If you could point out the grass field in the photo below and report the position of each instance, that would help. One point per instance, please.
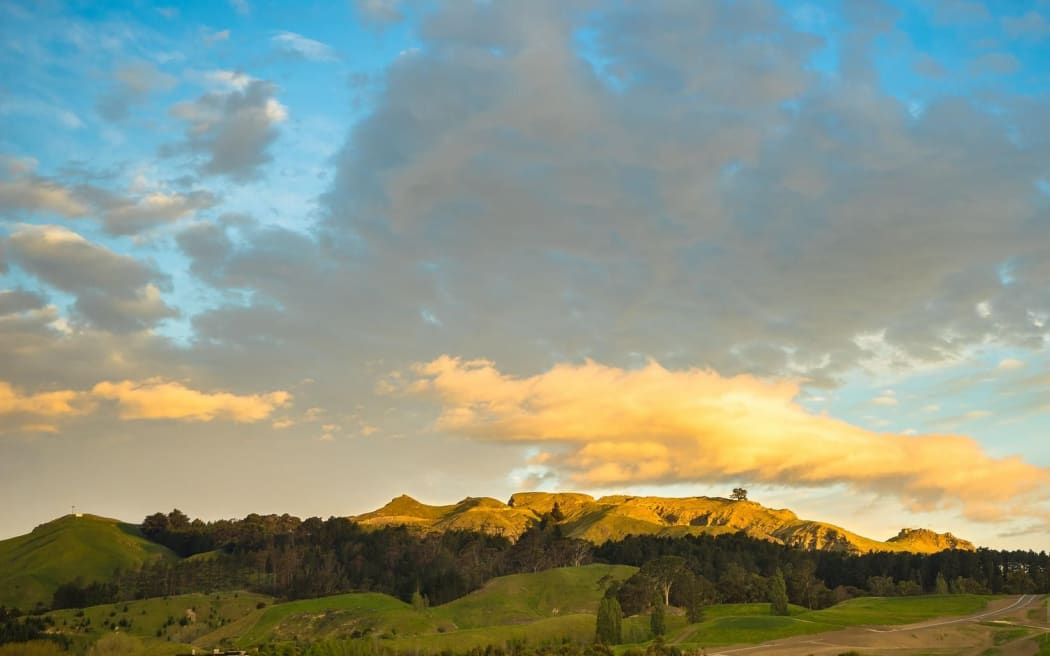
(897, 610)
(32, 566)
(546, 607)
(521, 598)
(146, 618)
(555, 603)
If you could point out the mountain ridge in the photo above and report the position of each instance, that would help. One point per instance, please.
(612, 517)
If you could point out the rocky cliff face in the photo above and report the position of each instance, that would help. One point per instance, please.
(613, 517)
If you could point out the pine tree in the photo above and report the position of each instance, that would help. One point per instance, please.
(610, 616)
(657, 619)
(778, 597)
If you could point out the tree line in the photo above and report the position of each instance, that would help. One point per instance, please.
(291, 558)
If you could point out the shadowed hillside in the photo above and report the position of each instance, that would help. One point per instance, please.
(32, 566)
(613, 517)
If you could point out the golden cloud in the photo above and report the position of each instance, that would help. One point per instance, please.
(614, 427)
(43, 404)
(153, 398)
(157, 399)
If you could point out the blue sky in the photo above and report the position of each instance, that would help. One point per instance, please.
(253, 226)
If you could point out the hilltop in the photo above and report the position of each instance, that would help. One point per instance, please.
(614, 517)
(32, 566)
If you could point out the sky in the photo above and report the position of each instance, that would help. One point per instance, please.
(305, 257)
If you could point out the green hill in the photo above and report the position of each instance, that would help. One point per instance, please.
(32, 566)
(507, 606)
(614, 517)
(522, 598)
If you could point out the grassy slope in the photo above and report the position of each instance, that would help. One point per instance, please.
(745, 623)
(560, 604)
(521, 598)
(147, 616)
(555, 603)
(33, 565)
(512, 608)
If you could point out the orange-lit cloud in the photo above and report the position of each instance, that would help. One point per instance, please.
(153, 398)
(158, 399)
(615, 427)
(44, 404)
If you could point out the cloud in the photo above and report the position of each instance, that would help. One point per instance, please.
(885, 399)
(1031, 25)
(610, 427)
(995, 63)
(233, 130)
(43, 404)
(960, 12)
(158, 399)
(25, 192)
(629, 219)
(14, 301)
(134, 82)
(115, 292)
(153, 398)
(242, 7)
(1009, 364)
(300, 46)
(35, 109)
(125, 216)
(29, 193)
(211, 38)
(380, 11)
(927, 66)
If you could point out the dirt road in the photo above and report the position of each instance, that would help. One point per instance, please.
(971, 634)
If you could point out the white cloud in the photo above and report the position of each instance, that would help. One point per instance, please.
(1010, 364)
(297, 44)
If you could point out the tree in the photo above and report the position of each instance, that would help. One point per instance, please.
(778, 596)
(556, 513)
(941, 586)
(609, 630)
(739, 494)
(658, 617)
(664, 571)
(692, 592)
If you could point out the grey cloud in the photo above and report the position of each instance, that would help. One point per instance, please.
(29, 193)
(669, 204)
(381, 11)
(124, 216)
(133, 83)
(959, 12)
(1031, 25)
(122, 314)
(995, 63)
(32, 194)
(636, 203)
(115, 292)
(14, 301)
(928, 66)
(233, 130)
